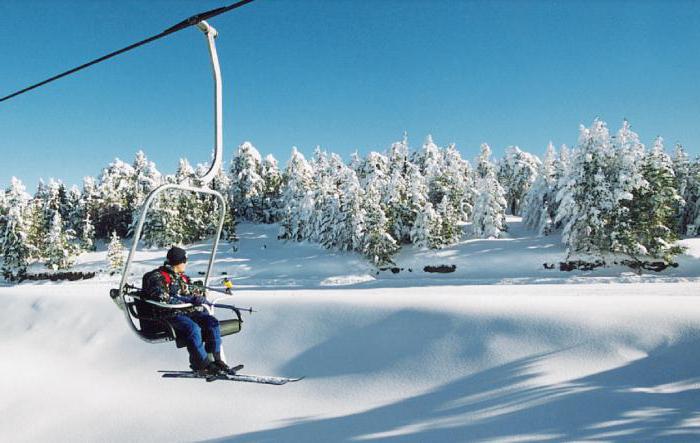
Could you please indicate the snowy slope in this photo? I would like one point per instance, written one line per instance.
(261, 261)
(550, 362)
(424, 360)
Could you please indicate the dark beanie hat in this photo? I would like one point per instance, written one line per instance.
(176, 256)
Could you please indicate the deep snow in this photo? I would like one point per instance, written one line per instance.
(424, 360)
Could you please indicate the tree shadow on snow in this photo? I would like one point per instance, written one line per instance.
(498, 403)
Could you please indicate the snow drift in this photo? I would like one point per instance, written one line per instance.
(478, 363)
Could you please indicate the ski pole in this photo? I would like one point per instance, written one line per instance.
(215, 305)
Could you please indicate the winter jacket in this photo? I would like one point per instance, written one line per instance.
(156, 287)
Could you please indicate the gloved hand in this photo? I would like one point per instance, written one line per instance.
(198, 300)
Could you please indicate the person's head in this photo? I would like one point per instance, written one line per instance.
(177, 259)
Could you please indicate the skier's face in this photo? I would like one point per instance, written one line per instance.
(180, 267)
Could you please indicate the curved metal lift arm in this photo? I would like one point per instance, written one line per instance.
(210, 34)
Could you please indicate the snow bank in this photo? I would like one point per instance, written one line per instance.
(448, 363)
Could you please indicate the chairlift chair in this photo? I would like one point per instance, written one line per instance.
(136, 307)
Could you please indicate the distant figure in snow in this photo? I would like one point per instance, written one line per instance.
(228, 285)
(199, 329)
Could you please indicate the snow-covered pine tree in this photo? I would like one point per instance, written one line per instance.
(693, 199)
(75, 217)
(13, 236)
(625, 179)
(328, 203)
(562, 166)
(586, 198)
(60, 252)
(489, 216)
(350, 224)
(162, 226)
(379, 246)
(115, 254)
(296, 184)
(318, 221)
(87, 234)
(450, 229)
(144, 179)
(430, 161)
(37, 228)
(374, 168)
(191, 221)
(114, 204)
(655, 207)
(457, 183)
(247, 185)
(3, 208)
(516, 171)
(272, 178)
(537, 204)
(398, 207)
(425, 232)
(687, 188)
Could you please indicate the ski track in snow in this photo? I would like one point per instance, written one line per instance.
(410, 357)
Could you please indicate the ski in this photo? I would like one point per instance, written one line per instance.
(248, 378)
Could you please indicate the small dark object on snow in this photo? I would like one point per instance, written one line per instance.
(580, 264)
(56, 276)
(410, 270)
(201, 273)
(548, 265)
(224, 273)
(442, 269)
(656, 266)
(393, 269)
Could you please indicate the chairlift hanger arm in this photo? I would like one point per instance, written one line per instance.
(195, 19)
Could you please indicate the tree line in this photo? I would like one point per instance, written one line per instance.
(607, 194)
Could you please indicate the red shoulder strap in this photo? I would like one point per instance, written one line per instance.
(166, 276)
(186, 278)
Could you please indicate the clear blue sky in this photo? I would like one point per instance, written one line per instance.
(342, 74)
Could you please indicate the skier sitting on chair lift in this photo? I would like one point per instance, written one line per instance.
(196, 327)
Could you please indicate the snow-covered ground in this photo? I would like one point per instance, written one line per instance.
(260, 261)
(390, 357)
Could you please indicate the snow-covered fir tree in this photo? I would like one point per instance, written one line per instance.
(60, 251)
(489, 216)
(586, 198)
(13, 237)
(162, 226)
(297, 182)
(115, 254)
(655, 207)
(430, 161)
(425, 232)
(350, 223)
(378, 246)
(247, 185)
(115, 206)
(450, 229)
(75, 217)
(272, 178)
(457, 183)
(688, 187)
(625, 179)
(537, 208)
(87, 234)
(399, 207)
(191, 222)
(516, 171)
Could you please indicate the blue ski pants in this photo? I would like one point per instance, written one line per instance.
(200, 331)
